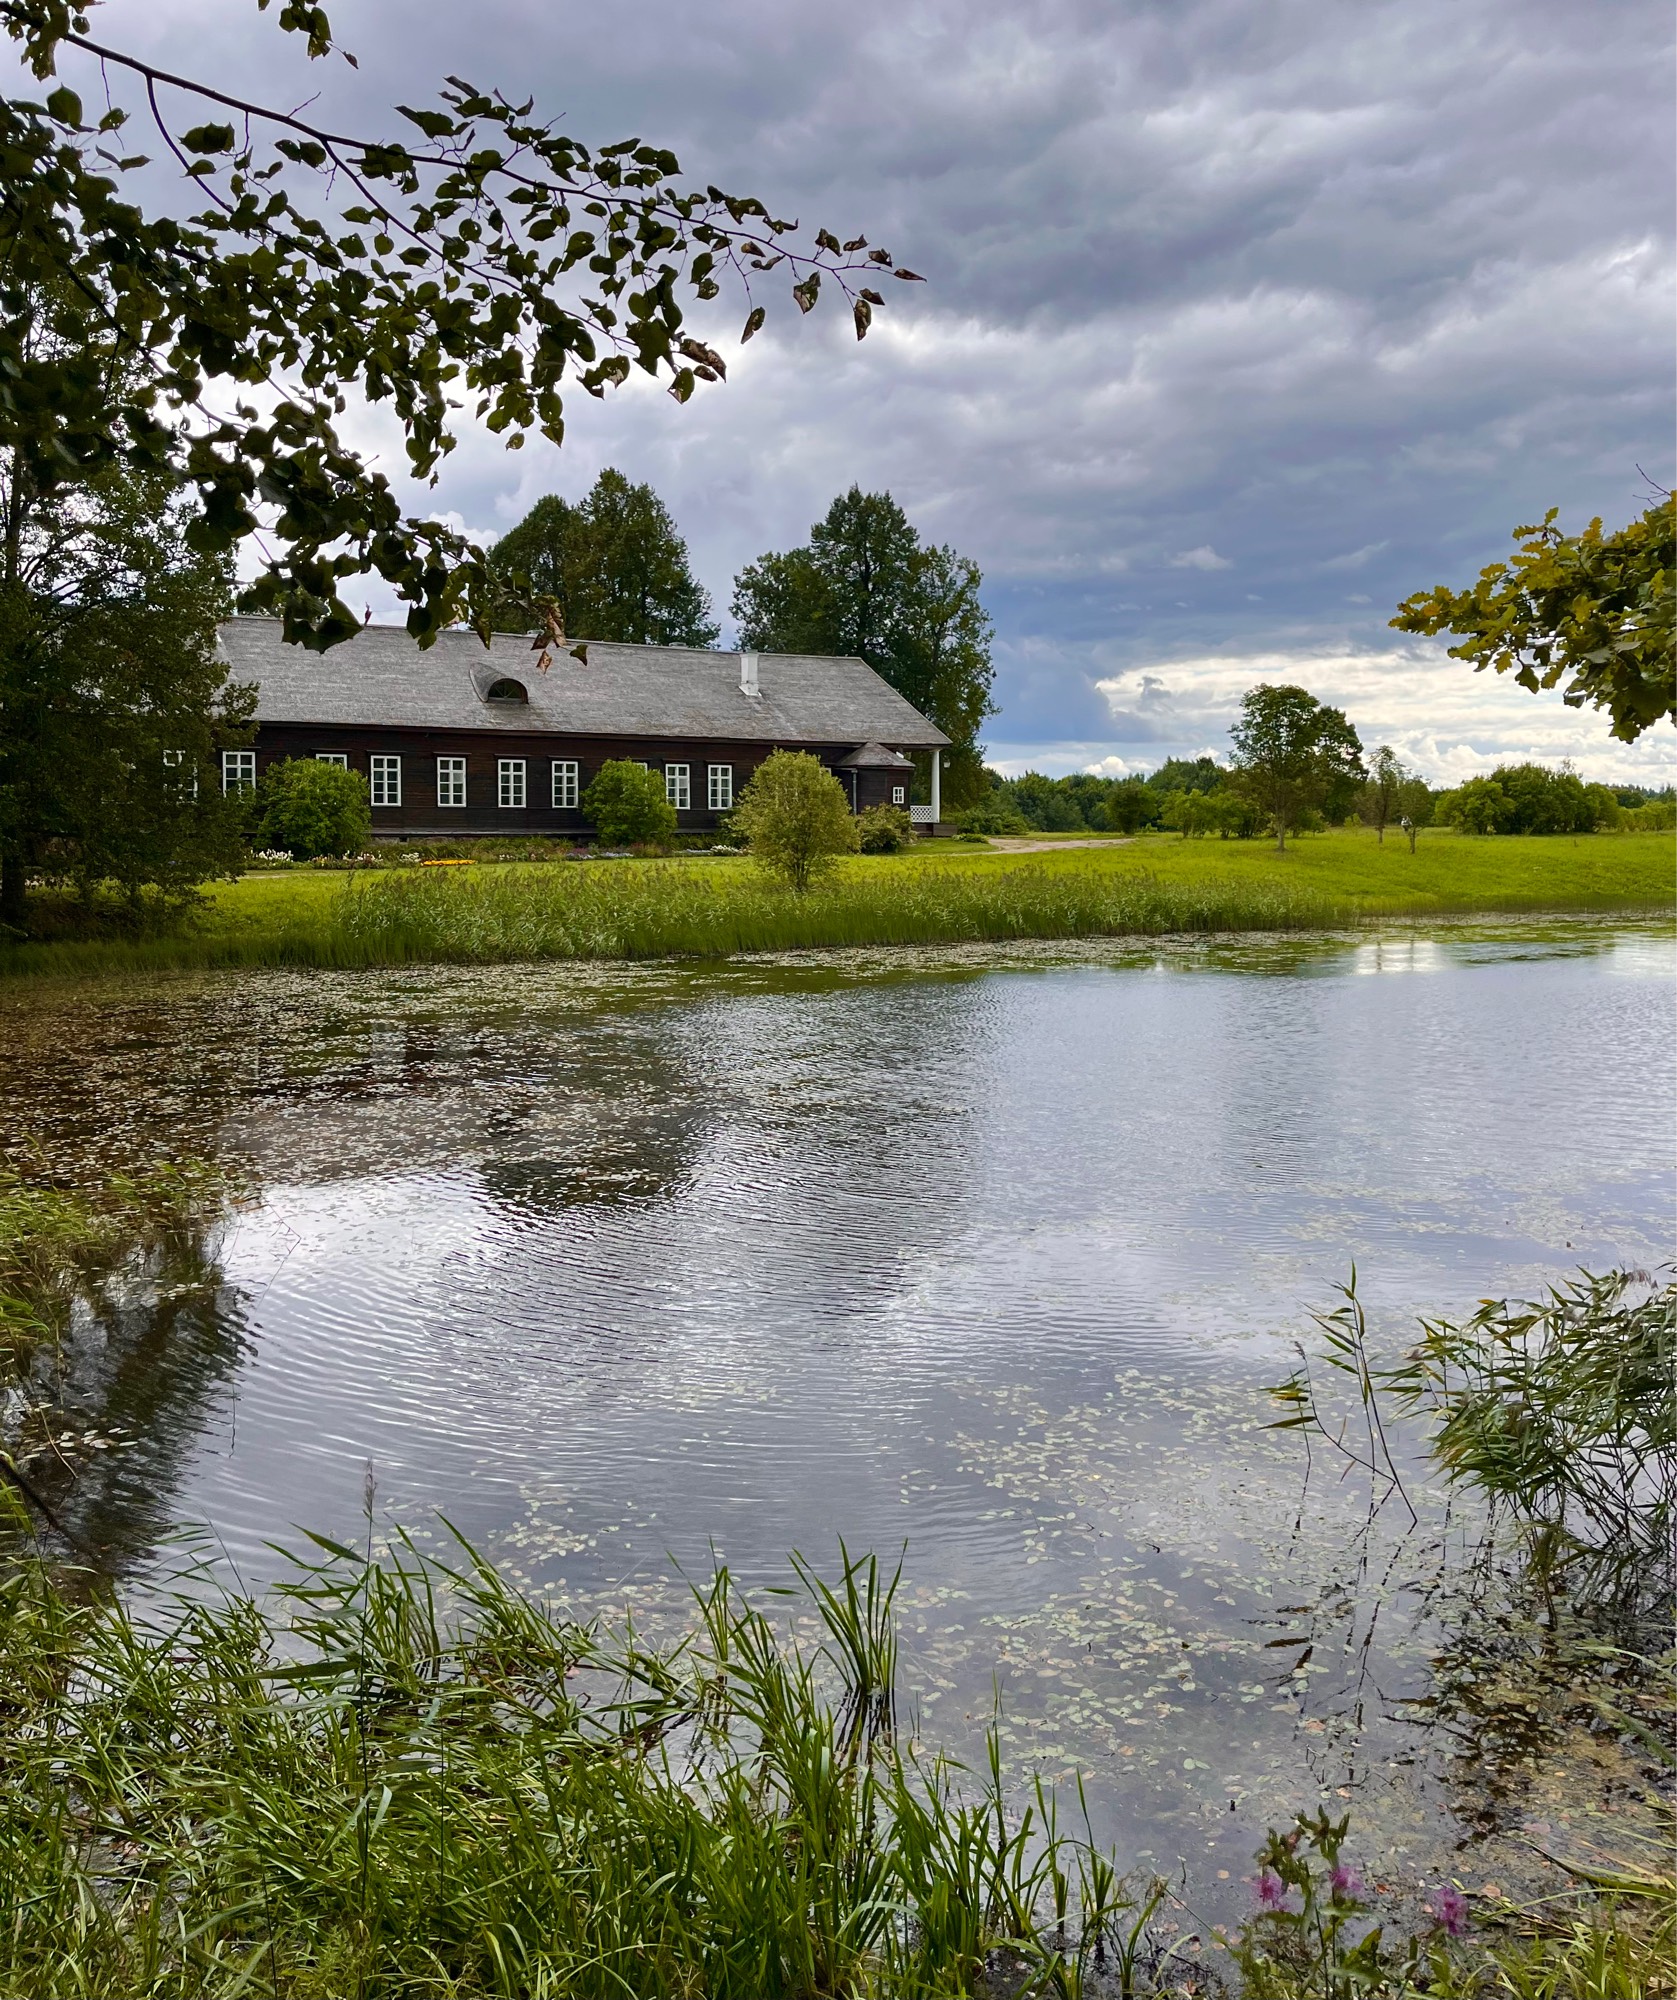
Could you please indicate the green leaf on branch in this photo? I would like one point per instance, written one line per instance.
(1590, 613)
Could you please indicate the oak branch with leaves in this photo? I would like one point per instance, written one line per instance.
(1593, 610)
(486, 265)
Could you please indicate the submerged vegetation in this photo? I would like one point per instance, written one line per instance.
(703, 907)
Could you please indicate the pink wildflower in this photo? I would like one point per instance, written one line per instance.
(1272, 1891)
(1451, 1906)
(1347, 1884)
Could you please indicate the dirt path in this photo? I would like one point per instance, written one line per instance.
(1021, 843)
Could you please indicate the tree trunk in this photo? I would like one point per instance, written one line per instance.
(13, 908)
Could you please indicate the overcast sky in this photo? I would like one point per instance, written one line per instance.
(1245, 317)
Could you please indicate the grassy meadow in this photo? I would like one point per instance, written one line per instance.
(710, 907)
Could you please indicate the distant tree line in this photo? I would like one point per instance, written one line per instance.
(1197, 797)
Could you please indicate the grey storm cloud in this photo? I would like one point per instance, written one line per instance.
(1242, 322)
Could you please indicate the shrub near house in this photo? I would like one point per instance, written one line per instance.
(313, 808)
(629, 806)
(796, 818)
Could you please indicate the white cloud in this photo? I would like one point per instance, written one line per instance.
(1204, 557)
(1116, 767)
(1357, 557)
(1442, 718)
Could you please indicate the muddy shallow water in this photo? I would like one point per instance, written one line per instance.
(983, 1257)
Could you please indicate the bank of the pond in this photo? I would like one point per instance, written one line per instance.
(709, 907)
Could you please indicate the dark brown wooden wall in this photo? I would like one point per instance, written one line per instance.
(419, 750)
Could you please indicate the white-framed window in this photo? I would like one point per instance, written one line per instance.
(238, 770)
(451, 781)
(173, 760)
(386, 778)
(720, 790)
(899, 795)
(510, 783)
(565, 785)
(338, 757)
(678, 785)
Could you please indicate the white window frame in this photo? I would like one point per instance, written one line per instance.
(338, 757)
(174, 760)
(384, 779)
(451, 783)
(511, 786)
(678, 786)
(719, 789)
(567, 784)
(899, 795)
(238, 770)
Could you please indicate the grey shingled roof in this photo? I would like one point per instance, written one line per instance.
(381, 679)
(874, 757)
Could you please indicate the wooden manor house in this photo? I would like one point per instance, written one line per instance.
(460, 739)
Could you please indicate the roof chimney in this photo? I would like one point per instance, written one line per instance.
(748, 675)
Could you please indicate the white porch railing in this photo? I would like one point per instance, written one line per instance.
(922, 815)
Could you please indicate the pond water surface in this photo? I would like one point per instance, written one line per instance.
(984, 1260)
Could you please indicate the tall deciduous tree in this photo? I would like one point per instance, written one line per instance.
(1295, 755)
(485, 261)
(113, 704)
(1386, 779)
(613, 564)
(1592, 610)
(866, 584)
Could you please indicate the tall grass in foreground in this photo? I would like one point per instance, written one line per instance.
(402, 1780)
(677, 911)
(359, 1791)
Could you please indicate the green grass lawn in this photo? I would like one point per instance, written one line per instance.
(1447, 872)
(936, 893)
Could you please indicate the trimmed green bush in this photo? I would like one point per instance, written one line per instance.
(628, 807)
(308, 808)
(796, 818)
(885, 830)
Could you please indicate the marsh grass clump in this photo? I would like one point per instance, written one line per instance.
(678, 910)
(1563, 1412)
(58, 1242)
(402, 1777)
(1559, 1412)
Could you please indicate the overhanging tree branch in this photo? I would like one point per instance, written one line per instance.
(451, 276)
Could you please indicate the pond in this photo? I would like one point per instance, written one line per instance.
(983, 1260)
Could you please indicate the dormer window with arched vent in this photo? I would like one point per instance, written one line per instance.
(506, 690)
